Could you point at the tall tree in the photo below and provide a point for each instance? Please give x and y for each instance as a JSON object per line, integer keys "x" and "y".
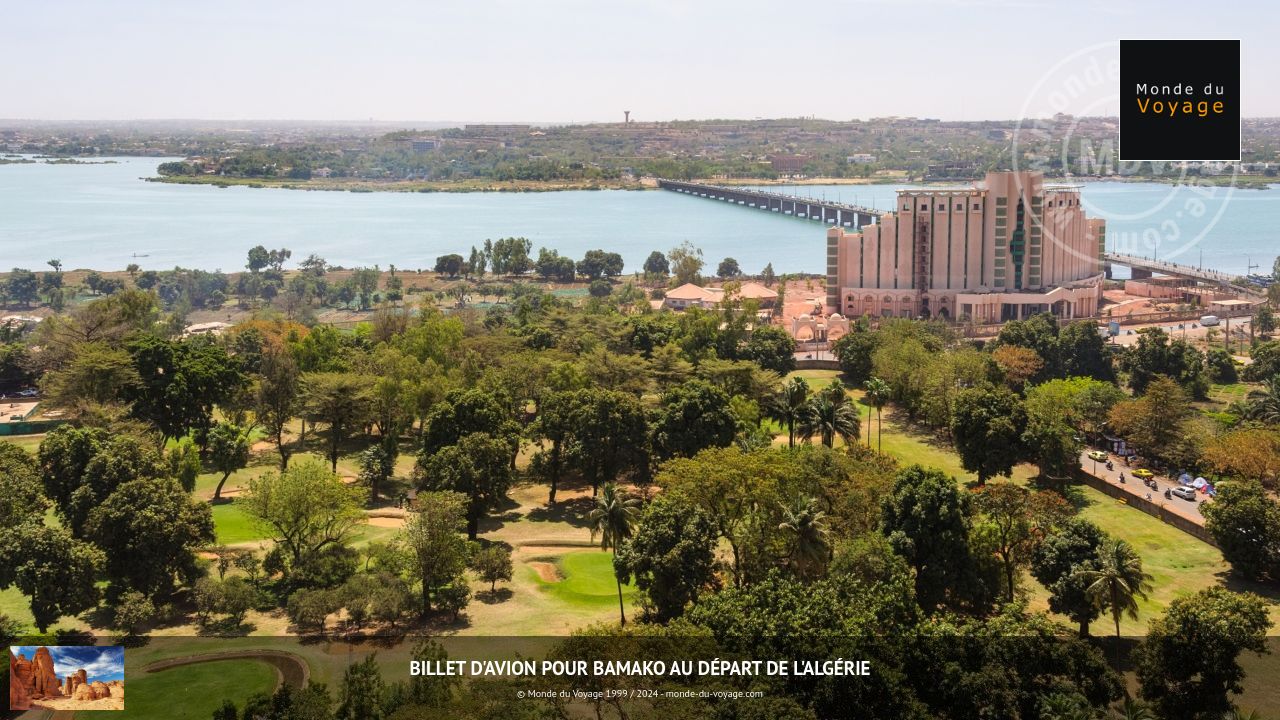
{"x": 986, "y": 426}
{"x": 808, "y": 537}
{"x": 829, "y": 417}
{"x": 182, "y": 382}
{"x": 228, "y": 447}
{"x": 671, "y": 556}
{"x": 479, "y": 467}
{"x": 1016, "y": 520}
{"x": 1189, "y": 665}
{"x": 433, "y": 537}
{"x": 1245, "y": 521}
{"x": 54, "y": 570}
{"x": 340, "y": 401}
{"x": 1118, "y": 582}
{"x": 307, "y": 509}
{"x": 151, "y": 531}
{"x": 686, "y": 263}
{"x": 790, "y": 407}
{"x": 927, "y": 522}
{"x": 877, "y": 396}
{"x": 612, "y": 519}
{"x": 693, "y": 416}
{"x": 277, "y": 400}
{"x": 1060, "y": 563}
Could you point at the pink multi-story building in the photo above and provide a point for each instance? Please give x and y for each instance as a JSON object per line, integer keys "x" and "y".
{"x": 1005, "y": 248}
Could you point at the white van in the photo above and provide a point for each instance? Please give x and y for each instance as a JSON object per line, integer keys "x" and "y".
{"x": 1209, "y": 320}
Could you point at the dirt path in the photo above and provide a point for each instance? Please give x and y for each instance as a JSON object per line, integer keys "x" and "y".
{"x": 289, "y": 668}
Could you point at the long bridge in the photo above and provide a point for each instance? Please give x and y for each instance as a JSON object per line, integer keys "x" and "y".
{"x": 830, "y": 213}
{"x": 1144, "y": 267}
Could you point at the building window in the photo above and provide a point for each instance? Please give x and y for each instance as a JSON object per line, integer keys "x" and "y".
{"x": 977, "y": 206}
{"x": 924, "y": 207}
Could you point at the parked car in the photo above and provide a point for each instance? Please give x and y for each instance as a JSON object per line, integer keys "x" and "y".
{"x": 1184, "y": 492}
{"x": 1098, "y": 455}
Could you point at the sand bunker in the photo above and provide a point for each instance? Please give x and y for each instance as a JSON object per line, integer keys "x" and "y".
{"x": 547, "y": 572}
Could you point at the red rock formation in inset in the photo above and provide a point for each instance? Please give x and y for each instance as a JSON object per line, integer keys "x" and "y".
{"x": 44, "y": 681}
{"x": 19, "y": 698}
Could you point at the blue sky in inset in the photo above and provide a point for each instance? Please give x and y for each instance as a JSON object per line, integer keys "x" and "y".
{"x": 101, "y": 664}
{"x": 581, "y": 60}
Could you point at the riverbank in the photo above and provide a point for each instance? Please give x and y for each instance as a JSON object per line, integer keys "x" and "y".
{"x": 403, "y": 186}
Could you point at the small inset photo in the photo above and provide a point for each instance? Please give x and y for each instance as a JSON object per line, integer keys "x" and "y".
{"x": 66, "y": 677}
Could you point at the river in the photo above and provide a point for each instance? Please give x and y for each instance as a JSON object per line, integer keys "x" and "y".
{"x": 103, "y": 216}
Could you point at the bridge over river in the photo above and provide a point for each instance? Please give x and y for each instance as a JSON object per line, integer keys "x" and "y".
{"x": 1144, "y": 267}
{"x": 830, "y": 213}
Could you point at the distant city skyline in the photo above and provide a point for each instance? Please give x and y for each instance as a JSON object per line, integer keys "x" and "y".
{"x": 564, "y": 61}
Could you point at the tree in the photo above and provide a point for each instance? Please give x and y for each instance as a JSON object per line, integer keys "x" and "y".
{"x": 1017, "y": 364}
{"x": 877, "y": 396}
{"x": 258, "y": 258}
{"x": 132, "y": 612}
{"x": 307, "y": 509}
{"x": 805, "y": 525}
{"x": 21, "y": 494}
{"x": 830, "y": 417}
{"x": 461, "y": 413}
{"x": 598, "y": 264}
{"x": 986, "y": 427}
{"x": 338, "y": 400}
{"x": 790, "y": 406}
{"x": 768, "y": 275}
{"x": 1118, "y": 582}
{"x": 612, "y": 519}
{"x": 854, "y": 350}
{"x": 1038, "y": 333}
{"x": 228, "y": 446}
{"x": 927, "y": 522}
{"x": 82, "y": 467}
{"x": 53, "y": 569}
{"x": 1189, "y": 665}
{"x": 671, "y": 556}
{"x": 377, "y": 465}
{"x": 493, "y": 564}
{"x": 1016, "y": 520}
{"x": 1155, "y": 422}
{"x": 1245, "y": 522}
{"x": 728, "y": 269}
{"x": 693, "y": 416}
{"x": 656, "y": 265}
{"x": 1155, "y": 355}
{"x": 478, "y": 467}
{"x": 686, "y": 263}
{"x": 600, "y": 289}
{"x": 1060, "y": 562}
{"x": 772, "y": 348}
{"x": 1084, "y": 352}
{"x": 151, "y": 530}
{"x": 432, "y": 535}
{"x": 96, "y": 374}
{"x": 362, "y": 691}
{"x": 23, "y": 286}
{"x": 182, "y": 382}
{"x": 277, "y": 398}
{"x": 1263, "y": 403}
{"x": 1264, "y": 320}
{"x": 450, "y": 265}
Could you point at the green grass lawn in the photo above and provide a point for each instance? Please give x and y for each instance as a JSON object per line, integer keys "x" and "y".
{"x": 233, "y": 526}
{"x": 194, "y": 691}
{"x": 587, "y": 579}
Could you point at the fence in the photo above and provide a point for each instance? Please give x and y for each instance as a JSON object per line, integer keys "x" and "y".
{"x": 1151, "y": 508}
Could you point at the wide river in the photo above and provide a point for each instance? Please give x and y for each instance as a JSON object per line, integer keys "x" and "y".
{"x": 104, "y": 216}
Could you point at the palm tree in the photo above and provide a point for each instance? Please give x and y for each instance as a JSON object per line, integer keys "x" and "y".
{"x": 1263, "y": 404}
{"x": 612, "y": 517}
{"x": 1133, "y": 709}
{"x": 828, "y": 418}
{"x": 806, "y": 523}
{"x": 790, "y": 407}
{"x": 1118, "y": 583}
{"x": 877, "y": 395}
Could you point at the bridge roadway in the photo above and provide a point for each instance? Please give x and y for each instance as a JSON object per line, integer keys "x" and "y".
{"x": 1143, "y": 267}
{"x": 830, "y": 213}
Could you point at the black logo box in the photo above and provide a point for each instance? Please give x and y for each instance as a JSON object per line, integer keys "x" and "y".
{"x": 1189, "y": 65}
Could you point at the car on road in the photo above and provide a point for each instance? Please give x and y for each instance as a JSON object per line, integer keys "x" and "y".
{"x": 1143, "y": 473}
{"x": 1098, "y": 455}
{"x": 1184, "y": 492}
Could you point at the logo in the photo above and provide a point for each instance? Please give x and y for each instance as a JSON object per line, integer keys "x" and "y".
{"x": 1180, "y": 100}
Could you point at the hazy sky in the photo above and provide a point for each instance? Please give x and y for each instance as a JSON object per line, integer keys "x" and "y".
{"x": 581, "y": 60}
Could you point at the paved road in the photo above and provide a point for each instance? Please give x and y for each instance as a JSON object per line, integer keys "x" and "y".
{"x": 1133, "y": 486}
